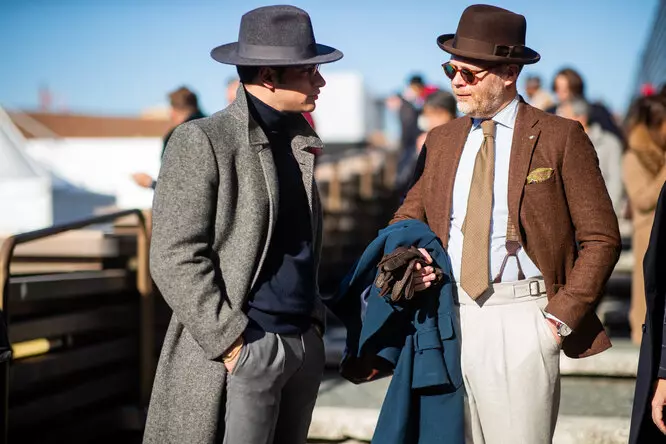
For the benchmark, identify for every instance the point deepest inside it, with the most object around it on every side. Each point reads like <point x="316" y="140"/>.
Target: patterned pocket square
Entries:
<point x="539" y="175"/>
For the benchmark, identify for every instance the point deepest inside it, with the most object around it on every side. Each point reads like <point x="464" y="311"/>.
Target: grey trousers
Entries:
<point x="272" y="390"/>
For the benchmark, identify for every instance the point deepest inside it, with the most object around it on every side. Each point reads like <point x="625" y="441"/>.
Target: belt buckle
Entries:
<point x="534" y="288"/>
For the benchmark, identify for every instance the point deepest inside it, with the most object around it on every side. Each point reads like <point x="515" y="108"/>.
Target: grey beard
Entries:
<point x="483" y="109"/>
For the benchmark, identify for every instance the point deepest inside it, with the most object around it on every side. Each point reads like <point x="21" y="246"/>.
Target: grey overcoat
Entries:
<point x="214" y="211"/>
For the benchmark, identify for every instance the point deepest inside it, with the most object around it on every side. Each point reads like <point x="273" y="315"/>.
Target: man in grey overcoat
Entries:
<point x="236" y="246"/>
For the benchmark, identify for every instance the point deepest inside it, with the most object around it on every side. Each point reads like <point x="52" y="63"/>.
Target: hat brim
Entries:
<point x="228" y="54"/>
<point x="445" y="42"/>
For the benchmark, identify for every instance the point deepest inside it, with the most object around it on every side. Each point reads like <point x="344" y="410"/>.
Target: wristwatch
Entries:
<point x="563" y="330"/>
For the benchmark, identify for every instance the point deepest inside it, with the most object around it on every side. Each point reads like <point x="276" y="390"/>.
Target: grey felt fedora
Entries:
<point x="275" y="36"/>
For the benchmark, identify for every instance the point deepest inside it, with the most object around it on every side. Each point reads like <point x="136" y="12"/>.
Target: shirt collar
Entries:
<point x="506" y="117"/>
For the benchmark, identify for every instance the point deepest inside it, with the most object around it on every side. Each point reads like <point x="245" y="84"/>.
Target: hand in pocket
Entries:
<point x="553" y="330"/>
<point x="230" y="358"/>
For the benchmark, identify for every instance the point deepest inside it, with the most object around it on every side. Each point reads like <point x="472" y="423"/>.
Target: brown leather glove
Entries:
<point x="396" y="270"/>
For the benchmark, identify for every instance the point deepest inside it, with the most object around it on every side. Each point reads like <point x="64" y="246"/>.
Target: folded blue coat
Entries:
<point x="415" y="340"/>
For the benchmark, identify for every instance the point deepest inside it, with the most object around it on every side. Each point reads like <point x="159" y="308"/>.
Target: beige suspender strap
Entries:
<point x="511" y="231"/>
<point x="512" y="247"/>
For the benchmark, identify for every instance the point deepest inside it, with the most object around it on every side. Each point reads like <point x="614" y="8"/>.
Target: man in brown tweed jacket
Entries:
<point x="517" y="198"/>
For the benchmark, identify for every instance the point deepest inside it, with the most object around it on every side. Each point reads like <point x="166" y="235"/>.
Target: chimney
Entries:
<point x="45" y="98"/>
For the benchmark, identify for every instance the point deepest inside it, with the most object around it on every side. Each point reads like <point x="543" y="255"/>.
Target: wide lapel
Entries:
<point x="259" y="144"/>
<point x="270" y="176"/>
<point x="525" y="136"/>
<point x="448" y="150"/>
<point x="303" y="142"/>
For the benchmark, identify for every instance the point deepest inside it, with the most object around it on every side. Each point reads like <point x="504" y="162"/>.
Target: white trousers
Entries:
<point x="510" y="364"/>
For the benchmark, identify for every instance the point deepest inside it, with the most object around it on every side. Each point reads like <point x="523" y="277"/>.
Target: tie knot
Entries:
<point x="488" y="127"/>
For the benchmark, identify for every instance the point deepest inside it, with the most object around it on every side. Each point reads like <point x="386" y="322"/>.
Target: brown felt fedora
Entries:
<point x="490" y="34"/>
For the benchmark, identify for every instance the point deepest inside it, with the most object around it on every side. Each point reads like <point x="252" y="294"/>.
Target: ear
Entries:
<point x="266" y="78"/>
<point x="511" y="75"/>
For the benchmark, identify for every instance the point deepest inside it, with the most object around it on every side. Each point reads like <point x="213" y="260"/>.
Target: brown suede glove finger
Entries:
<point x="404" y="287"/>
<point x="396" y="271"/>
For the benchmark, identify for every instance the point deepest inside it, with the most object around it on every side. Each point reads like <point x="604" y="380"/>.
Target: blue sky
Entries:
<point x="122" y="56"/>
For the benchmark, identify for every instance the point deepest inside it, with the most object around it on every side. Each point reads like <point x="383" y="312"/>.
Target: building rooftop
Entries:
<point x="35" y="125"/>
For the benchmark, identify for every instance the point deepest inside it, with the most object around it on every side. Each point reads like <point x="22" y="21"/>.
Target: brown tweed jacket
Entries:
<point x="566" y="223"/>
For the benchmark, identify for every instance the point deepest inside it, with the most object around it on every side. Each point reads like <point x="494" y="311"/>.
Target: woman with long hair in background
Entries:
<point x="644" y="173"/>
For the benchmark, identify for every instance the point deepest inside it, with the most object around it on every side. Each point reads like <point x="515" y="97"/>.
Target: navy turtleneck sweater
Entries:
<point x="282" y="299"/>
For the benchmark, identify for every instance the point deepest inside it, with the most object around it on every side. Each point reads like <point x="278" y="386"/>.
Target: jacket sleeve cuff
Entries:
<point x="567" y="309"/>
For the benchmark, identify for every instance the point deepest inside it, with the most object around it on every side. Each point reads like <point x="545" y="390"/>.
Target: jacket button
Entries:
<point x="643" y="328"/>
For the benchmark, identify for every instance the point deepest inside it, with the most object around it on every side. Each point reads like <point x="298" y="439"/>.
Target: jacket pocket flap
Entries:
<point x="427" y="340"/>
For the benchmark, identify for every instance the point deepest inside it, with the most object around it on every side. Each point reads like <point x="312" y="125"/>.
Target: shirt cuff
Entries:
<point x="554" y="318"/>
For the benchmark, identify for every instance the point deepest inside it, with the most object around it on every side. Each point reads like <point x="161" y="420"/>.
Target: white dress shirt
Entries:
<point x="505" y="120"/>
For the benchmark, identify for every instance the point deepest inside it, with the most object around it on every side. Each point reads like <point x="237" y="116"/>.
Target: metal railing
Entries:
<point x="143" y="283"/>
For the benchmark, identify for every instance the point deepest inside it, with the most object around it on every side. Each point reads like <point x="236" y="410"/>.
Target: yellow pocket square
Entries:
<point x="539" y="175"/>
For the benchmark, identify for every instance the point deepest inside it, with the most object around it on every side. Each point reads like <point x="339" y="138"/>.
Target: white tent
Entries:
<point x="25" y="189"/>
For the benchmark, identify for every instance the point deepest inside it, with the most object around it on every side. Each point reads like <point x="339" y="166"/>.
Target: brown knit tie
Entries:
<point x="475" y="267"/>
